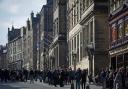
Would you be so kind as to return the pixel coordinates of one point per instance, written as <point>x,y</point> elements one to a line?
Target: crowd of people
<point>113,79</point>
<point>13,75</point>
<point>109,78</point>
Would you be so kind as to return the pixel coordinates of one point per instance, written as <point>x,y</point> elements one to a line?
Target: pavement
<point>36,85</point>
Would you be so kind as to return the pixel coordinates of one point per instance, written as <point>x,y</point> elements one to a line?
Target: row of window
<point>76,10</point>
<point>115,4</point>
<point>80,41</point>
<point>119,29</point>
<point>16,57</point>
<point>56,27</point>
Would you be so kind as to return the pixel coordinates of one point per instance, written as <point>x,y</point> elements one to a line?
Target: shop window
<point>114,32</point>
<point>113,63</point>
<point>120,29</point>
<point>126,59</point>
<point>120,61</point>
<point>126,26</point>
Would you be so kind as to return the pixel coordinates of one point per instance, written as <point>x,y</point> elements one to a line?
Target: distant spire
<point>32,14</point>
<point>8,29</point>
<point>12,27</point>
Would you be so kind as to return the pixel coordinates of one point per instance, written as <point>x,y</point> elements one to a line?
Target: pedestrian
<point>55,77</point>
<point>78,78</point>
<point>62,75</point>
<point>83,78</point>
<point>6,74</point>
<point>31,75</point>
<point>90,78</point>
<point>25,75</point>
<point>110,79</point>
<point>2,75</point>
<point>118,80</point>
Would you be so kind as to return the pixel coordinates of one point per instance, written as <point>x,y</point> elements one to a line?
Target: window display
<point>114,32</point>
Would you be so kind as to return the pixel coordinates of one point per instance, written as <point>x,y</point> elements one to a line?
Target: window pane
<point>126,26</point>
<point>91,31</point>
<point>114,32</point>
<point>120,28</point>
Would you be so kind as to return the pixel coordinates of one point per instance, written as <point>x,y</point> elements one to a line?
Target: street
<point>36,85</point>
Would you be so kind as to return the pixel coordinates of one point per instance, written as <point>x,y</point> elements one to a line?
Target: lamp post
<point>74,54</point>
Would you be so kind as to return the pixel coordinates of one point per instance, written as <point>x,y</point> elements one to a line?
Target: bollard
<point>72,85</point>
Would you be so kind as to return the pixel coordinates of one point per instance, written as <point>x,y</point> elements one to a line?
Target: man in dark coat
<point>62,75</point>
<point>78,78</point>
<point>83,78</point>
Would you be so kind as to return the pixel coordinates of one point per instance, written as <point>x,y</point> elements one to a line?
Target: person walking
<point>78,78</point>
<point>83,78</point>
<point>31,75</point>
<point>55,77</point>
<point>62,75</point>
<point>118,80</point>
<point>25,75</point>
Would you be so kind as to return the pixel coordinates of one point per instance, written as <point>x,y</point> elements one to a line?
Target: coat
<point>118,81</point>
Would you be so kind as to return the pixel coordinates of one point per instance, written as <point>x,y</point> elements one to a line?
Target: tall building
<point>87,34</point>
<point>27,46</point>
<point>29,36</point>
<point>58,48</point>
<point>3,57</point>
<point>118,24</point>
<point>46,33</point>
<point>14,48</point>
<point>34,27</point>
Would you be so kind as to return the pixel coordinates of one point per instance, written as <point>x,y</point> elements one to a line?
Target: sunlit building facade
<point>88,34</point>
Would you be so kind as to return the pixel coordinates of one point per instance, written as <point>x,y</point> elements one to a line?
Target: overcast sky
<point>16,12</point>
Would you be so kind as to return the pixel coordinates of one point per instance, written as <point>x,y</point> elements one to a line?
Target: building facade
<point>3,57</point>
<point>118,24</point>
<point>59,44</point>
<point>46,33</point>
<point>27,46</point>
<point>14,48</point>
<point>88,34</point>
<point>30,35</point>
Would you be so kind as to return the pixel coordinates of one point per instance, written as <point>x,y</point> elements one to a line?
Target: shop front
<point>119,58</point>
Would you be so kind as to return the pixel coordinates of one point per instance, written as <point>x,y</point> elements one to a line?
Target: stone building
<point>14,48</point>
<point>3,57</point>
<point>118,24</point>
<point>35,27</point>
<point>58,48</point>
<point>26,35</point>
<point>46,33</point>
<point>87,34</point>
<point>30,42</point>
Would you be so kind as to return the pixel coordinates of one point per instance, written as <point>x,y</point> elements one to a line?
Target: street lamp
<point>74,54</point>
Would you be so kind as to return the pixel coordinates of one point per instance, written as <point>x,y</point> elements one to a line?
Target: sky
<point>16,12</point>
